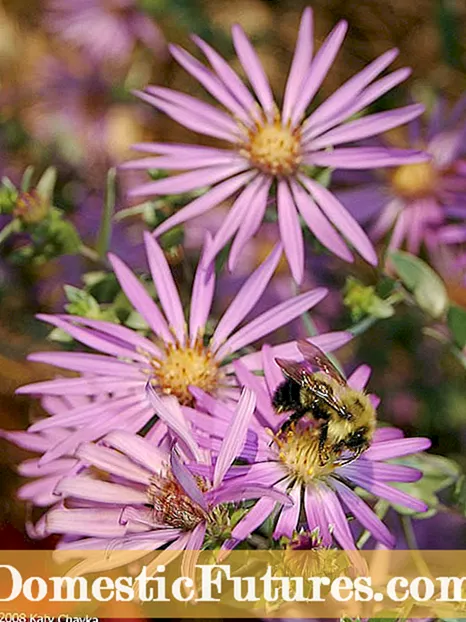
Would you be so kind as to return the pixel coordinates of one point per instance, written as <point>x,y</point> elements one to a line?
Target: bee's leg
<point>292,419</point>
<point>323,453</point>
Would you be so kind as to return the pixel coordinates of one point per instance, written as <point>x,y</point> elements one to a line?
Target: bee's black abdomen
<point>287,396</point>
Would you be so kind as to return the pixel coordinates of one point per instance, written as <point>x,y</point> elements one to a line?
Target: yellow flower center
<point>414,180</point>
<point>274,149</point>
<point>183,367</point>
<point>299,452</point>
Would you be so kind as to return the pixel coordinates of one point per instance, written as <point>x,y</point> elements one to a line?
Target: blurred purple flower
<point>423,203</point>
<point>272,148</point>
<point>293,466</point>
<point>178,357</point>
<point>148,497</point>
<point>107,30</point>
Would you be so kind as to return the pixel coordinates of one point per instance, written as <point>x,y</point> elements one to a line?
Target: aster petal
<point>236,491</point>
<point>389,493</point>
<point>229,77</point>
<point>319,224</point>
<point>300,64</point>
<point>210,82</point>
<point>336,517</point>
<point>87,363</point>
<point>41,493</point>
<point>88,385</point>
<point>253,382</point>
<point>255,517</point>
<point>211,198</point>
<point>326,342</point>
<point>315,513</point>
<point>101,492</point>
<point>381,471</point>
<point>192,550</point>
<point>112,462</point>
<point>28,440</point>
<point>246,298</point>
<point>363,513</point>
<point>183,162</point>
<point>349,90</point>
<point>165,286</point>
<point>202,293</point>
<point>322,62</point>
<point>96,523</point>
<point>290,231</point>
<point>272,372</point>
<point>253,69</point>
<point>289,516</point>
<point>169,411</point>
<point>138,449</point>
<point>235,435</point>
<point>355,158</point>
<point>251,222</point>
<point>272,319</point>
<point>94,340</point>
<point>32,468</point>
<point>193,180</point>
<point>187,481</point>
<point>341,219</point>
<point>234,217</point>
<point>387,433</point>
<point>370,125</point>
<point>360,377</point>
<point>396,448</point>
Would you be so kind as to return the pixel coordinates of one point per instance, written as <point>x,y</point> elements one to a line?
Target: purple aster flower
<point>274,150</point>
<point>104,29</point>
<point>424,203</point>
<point>176,356</point>
<point>292,464</point>
<point>148,498</point>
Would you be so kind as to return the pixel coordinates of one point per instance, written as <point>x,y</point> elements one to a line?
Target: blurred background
<point>67,71</point>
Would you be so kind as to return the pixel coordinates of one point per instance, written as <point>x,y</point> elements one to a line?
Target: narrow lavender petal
<point>202,293</point>
<point>253,382</point>
<point>229,78</point>
<point>169,411</point>
<point>341,219</point>
<point>195,122</point>
<point>272,319</point>
<point>288,520</point>
<point>186,182</point>
<point>364,514</point>
<point>87,363</point>
<point>360,377</point>
<point>381,435</point>
<point>195,106</point>
<point>235,435</point>
<point>187,481</point>
<point>96,523</point>
<point>366,126</point>
<point>40,492</point>
<point>315,514</point>
<point>300,64</point>
<point>253,69</point>
<point>326,342</point>
<point>350,90</point>
<point>209,81</point>
<point>32,468</point>
<point>26,440</point>
<point>138,449</point>
<point>322,62</point>
<point>364,202</point>
<point>255,517</point>
<point>319,224</point>
<point>234,218</point>
<point>101,492</point>
<point>193,548</point>
<point>89,385</point>
<point>355,158</point>
<point>246,298</point>
<point>272,372</point>
<point>234,492</point>
<point>212,198</point>
<point>336,517</point>
<point>92,339</point>
<point>290,231</point>
<point>182,150</point>
<point>182,162</point>
<point>393,495</point>
<point>165,286</point>
<point>112,462</point>
<point>251,222</point>
<point>381,471</point>
<point>396,448</point>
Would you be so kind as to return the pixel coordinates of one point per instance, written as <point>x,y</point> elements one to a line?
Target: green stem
<point>413,545</point>
<point>105,231</point>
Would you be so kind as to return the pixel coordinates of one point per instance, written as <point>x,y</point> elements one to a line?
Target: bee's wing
<point>314,356</point>
<point>294,370</point>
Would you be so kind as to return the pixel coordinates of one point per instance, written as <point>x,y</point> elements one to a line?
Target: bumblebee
<point>345,417</point>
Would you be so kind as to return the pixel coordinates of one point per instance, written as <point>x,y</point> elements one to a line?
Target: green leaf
<point>427,287</point>
<point>460,494</point>
<point>457,324</point>
<point>105,231</point>
<point>46,184</point>
<point>27,178</point>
